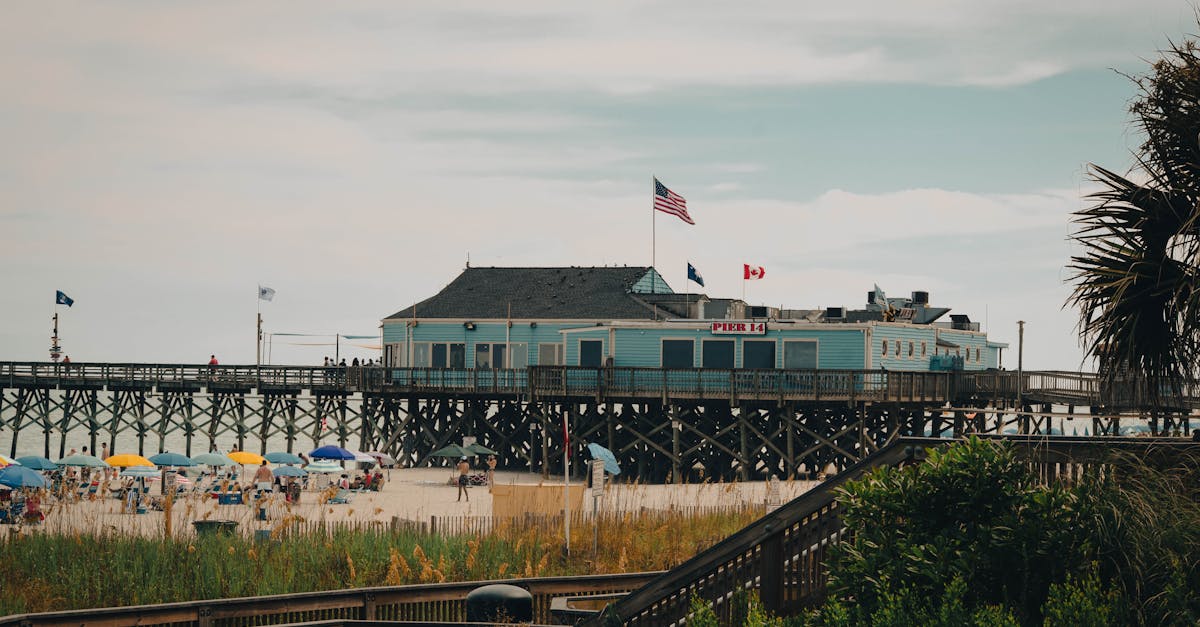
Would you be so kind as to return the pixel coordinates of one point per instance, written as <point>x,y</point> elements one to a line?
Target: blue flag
<point>694,276</point>
<point>63,299</point>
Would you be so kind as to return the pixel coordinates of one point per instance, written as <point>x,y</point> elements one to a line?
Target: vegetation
<point>969,538</point>
<point>1136,277</point>
<point>108,569</point>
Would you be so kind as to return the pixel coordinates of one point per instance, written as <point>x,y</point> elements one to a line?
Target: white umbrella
<point>324,466</point>
<point>360,456</point>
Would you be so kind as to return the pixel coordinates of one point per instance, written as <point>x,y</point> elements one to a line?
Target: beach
<point>414,495</point>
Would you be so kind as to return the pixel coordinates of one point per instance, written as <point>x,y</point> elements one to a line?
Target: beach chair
<point>342,497</point>
<point>12,514</point>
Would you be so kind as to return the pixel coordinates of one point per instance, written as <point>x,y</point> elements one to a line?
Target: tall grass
<point>110,568</point>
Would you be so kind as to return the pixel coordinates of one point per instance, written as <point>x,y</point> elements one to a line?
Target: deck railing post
<point>771,559</point>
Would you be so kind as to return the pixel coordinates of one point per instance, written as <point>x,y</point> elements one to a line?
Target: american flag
<point>668,201</point>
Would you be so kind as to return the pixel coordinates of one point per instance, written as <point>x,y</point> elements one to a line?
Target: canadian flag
<point>753,272</point>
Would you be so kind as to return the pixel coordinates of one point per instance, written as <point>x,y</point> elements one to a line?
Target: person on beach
<point>491,471</point>
<point>263,478</point>
<point>463,468</point>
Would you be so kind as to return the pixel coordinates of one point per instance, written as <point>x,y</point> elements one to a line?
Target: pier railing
<point>614,383</point>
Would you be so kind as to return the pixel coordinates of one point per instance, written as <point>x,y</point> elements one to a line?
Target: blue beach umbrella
<point>171,459</point>
<point>288,471</point>
<point>324,466</point>
<point>35,462</point>
<point>141,472</point>
<point>283,458</point>
<point>212,459</point>
<point>15,476</point>
<point>605,455</point>
<point>330,451</point>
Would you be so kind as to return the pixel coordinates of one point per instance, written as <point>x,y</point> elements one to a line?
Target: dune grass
<point>109,568</point>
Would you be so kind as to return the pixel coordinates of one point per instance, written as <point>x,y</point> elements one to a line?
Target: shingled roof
<point>546,293</point>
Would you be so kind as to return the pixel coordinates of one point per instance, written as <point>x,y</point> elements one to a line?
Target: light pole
<point>1020,359</point>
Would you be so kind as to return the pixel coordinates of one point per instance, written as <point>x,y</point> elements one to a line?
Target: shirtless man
<point>463,469</point>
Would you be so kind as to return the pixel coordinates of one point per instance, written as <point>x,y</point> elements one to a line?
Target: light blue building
<point>496,318</point>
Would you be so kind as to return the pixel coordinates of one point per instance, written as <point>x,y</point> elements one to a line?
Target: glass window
<point>518,355</point>
<point>883,348</point>
<point>421,355</point>
<point>550,354</point>
<point>800,355</point>
<point>678,354</point>
<point>898,349</point>
<point>458,356</point>
<point>758,354</point>
<point>483,356</point>
<point>717,353</point>
<point>438,356</point>
<point>590,353</point>
<point>923,348</point>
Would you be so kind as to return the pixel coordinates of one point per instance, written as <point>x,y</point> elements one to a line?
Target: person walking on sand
<point>463,469</point>
<point>263,478</point>
<point>491,471</point>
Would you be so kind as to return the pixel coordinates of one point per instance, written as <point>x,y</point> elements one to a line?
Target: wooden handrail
<point>431,602</point>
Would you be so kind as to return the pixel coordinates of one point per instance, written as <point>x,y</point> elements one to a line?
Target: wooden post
<point>771,559</point>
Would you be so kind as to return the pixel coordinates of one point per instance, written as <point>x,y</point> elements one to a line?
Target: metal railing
<point>782,556</point>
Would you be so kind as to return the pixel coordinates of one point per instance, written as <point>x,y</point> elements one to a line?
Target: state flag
<point>63,299</point>
<point>694,276</point>
<point>265,293</point>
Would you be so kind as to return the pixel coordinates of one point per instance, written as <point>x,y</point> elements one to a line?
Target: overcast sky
<point>162,159</point>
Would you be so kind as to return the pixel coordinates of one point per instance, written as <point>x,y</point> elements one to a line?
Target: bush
<point>972,514</point>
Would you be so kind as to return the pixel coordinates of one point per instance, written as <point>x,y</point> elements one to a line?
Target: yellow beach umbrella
<point>7,461</point>
<point>246,458</point>
<point>124,461</point>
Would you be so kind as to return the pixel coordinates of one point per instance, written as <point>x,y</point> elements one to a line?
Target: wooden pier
<point>663,424</point>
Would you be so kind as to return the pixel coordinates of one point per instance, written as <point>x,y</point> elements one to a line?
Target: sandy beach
<point>415,494</point>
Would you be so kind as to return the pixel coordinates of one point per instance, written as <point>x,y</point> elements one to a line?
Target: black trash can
<point>499,602</point>
<point>215,527</point>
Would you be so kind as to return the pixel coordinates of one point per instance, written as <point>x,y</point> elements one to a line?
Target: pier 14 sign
<point>739,328</point>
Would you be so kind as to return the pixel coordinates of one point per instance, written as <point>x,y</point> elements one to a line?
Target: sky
<point>161,160</point>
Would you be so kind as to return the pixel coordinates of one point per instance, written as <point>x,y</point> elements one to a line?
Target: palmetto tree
<point>1135,277</point>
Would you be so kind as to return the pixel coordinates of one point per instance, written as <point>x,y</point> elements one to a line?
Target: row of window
<point>487,356</point>
<point>898,351</point>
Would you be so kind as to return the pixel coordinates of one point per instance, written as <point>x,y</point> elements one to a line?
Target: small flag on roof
<point>62,299</point>
<point>694,276</point>
<point>265,293</point>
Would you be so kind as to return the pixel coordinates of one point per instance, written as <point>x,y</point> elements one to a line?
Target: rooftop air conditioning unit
<point>835,313</point>
<point>757,311</point>
<point>920,298</point>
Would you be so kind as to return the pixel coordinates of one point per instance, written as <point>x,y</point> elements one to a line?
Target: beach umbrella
<point>141,472</point>
<point>7,461</point>
<point>128,459</point>
<point>284,458</point>
<point>453,450</point>
<point>90,461</point>
<point>212,459</point>
<point>325,466</point>
<point>18,476</point>
<point>480,449</point>
<point>171,459</point>
<point>290,471</point>
<point>605,455</point>
<point>246,457</point>
<point>383,458</point>
<point>35,462</point>
<point>360,456</point>
<point>330,451</point>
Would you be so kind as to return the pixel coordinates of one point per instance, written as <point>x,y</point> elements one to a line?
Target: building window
<point>717,353</point>
<point>923,348</point>
<point>518,355</point>
<point>678,354</point>
<point>395,355</point>
<point>898,353</point>
<point>758,354</point>
<point>590,353</point>
<point>910,350</point>
<point>800,354</point>
<point>550,354</point>
<point>883,348</point>
<point>439,355</point>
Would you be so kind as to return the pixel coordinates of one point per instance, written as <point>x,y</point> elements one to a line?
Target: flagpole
<point>258,331</point>
<point>653,234</point>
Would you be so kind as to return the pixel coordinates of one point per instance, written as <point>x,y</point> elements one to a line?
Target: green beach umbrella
<point>453,450</point>
<point>480,449</point>
<point>213,459</point>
